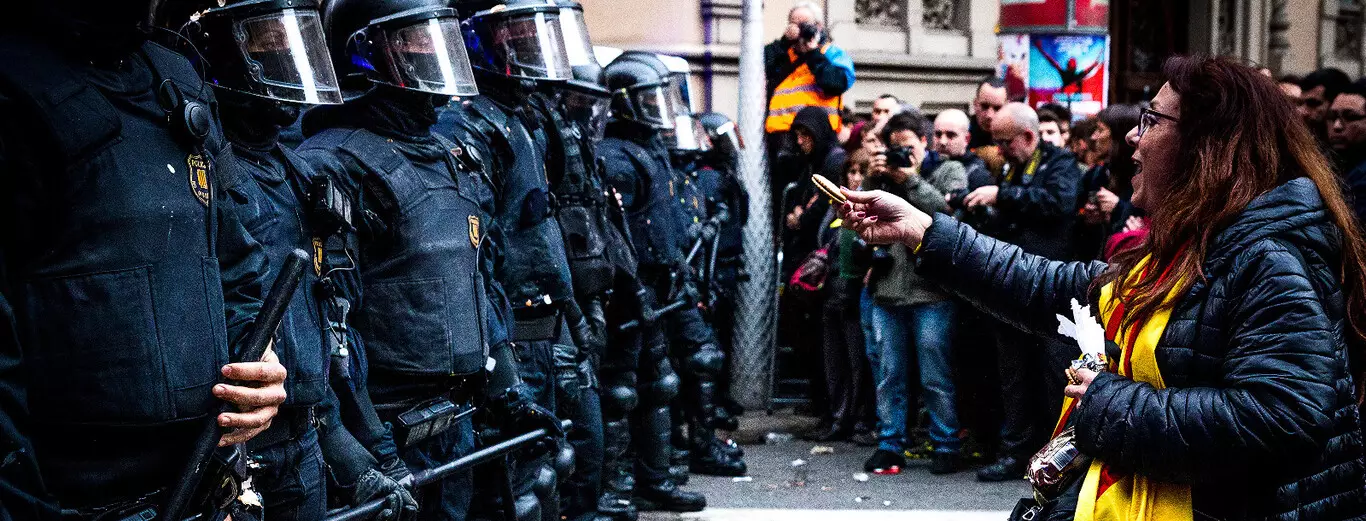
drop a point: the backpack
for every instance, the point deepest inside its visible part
(808, 280)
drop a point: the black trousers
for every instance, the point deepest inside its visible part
(1032, 381)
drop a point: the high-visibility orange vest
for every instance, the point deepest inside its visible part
(796, 92)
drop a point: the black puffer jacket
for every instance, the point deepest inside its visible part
(1259, 415)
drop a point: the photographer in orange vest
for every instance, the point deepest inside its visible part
(804, 69)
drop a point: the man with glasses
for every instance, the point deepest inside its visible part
(1033, 202)
(1347, 135)
(1317, 91)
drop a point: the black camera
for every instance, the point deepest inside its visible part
(331, 210)
(899, 157)
(807, 31)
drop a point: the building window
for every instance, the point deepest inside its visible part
(1347, 36)
(886, 13)
(944, 15)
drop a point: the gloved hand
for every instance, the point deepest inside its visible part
(399, 504)
(516, 414)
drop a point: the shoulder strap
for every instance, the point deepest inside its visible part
(71, 114)
(556, 152)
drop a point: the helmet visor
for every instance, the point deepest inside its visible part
(524, 44)
(588, 112)
(678, 102)
(690, 135)
(577, 45)
(427, 56)
(653, 106)
(286, 58)
(726, 140)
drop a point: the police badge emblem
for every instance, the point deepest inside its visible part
(199, 178)
(318, 256)
(474, 231)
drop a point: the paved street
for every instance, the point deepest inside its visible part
(831, 493)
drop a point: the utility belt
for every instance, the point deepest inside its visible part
(291, 424)
(535, 324)
(414, 423)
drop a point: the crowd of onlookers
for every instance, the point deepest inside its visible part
(895, 363)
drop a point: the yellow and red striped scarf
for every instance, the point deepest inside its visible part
(1108, 494)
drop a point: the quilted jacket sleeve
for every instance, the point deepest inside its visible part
(1272, 408)
(999, 278)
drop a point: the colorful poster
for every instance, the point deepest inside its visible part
(1012, 63)
(1070, 70)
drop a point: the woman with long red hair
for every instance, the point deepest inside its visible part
(1234, 331)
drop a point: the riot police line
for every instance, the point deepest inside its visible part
(522, 250)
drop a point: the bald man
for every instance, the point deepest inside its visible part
(1035, 206)
(951, 134)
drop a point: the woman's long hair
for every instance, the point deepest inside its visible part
(1239, 138)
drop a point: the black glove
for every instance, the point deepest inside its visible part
(516, 414)
(399, 504)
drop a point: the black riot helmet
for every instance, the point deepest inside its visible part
(640, 88)
(273, 49)
(521, 39)
(409, 44)
(725, 138)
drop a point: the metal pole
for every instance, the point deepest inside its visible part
(756, 316)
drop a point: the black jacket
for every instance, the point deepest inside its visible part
(1038, 212)
(1258, 415)
(827, 159)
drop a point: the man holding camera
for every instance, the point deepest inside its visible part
(908, 313)
(804, 69)
(1033, 205)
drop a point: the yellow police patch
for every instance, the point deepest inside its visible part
(199, 178)
(474, 230)
(318, 256)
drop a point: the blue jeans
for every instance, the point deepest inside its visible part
(895, 330)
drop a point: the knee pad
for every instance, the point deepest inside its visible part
(528, 508)
(545, 482)
(564, 461)
(708, 360)
(621, 399)
(665, 389)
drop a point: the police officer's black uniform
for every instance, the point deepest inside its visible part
(129, 275)
(719, 180)
(637, 168)
(420, 291)
(284, 211)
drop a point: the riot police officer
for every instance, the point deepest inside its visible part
(699, 358)
(420, 279)
(638, 169)
(512, 47)
(262, 78)
(719, 180)
(575, 111)
(130, 275)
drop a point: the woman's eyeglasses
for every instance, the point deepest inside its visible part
(1148, 118)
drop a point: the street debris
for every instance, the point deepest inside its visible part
(799, 473)
(822, 449)
(742, 479)
(775, 438)
(861, 477)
